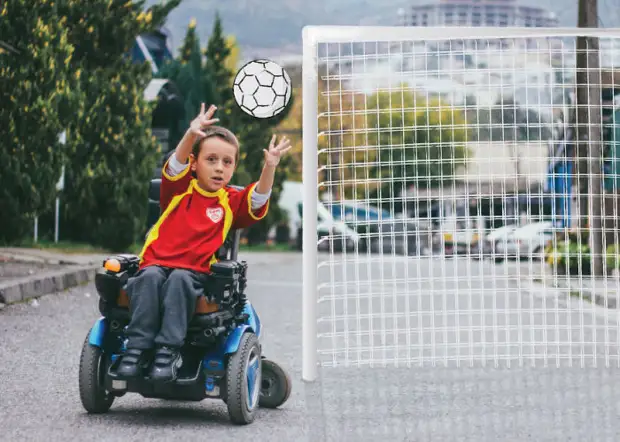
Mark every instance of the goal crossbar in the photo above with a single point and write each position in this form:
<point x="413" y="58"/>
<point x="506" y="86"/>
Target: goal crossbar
<point x="313" y="35"/>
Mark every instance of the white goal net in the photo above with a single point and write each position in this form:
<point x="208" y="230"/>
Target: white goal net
<point x="460" y="200"/>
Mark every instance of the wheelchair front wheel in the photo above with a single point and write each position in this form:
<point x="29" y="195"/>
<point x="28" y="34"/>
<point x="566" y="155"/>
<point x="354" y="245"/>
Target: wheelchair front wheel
<point x="94" y="397"/>
<point x="276" y="385"/>
<point x="243" y="380"/>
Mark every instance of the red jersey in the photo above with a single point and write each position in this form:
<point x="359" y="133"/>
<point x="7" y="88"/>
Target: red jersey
<point x="194" y="223"/>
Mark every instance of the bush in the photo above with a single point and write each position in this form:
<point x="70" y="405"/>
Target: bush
<point x="112" y="153"/>
<point x="37" y="103"/>
<point x="612" y="258"/>
<point x="571" y="257"/>
<point x="111" y="162"/>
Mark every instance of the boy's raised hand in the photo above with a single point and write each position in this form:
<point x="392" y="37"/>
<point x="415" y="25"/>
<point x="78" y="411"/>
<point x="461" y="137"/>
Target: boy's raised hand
<point x="275" y="152"/>
<point x="203" y="120"/>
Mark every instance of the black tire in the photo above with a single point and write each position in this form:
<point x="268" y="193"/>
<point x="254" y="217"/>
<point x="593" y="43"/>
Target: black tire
<point x="238" y="395"/>
<point x="95" y="399"/>
<point x="276" y="385"/>
<point x="538" y="254"/>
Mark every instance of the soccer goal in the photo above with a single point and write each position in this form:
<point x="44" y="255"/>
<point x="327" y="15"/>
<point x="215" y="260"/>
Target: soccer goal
<point x="460" y="200"/>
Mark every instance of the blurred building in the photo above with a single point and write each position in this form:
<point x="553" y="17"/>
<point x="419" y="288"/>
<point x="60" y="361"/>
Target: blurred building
<point x="491" y="13"/>
<point x="154" y="47"/>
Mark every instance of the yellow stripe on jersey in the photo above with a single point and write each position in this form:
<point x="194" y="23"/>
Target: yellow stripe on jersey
<point x="257" y="218"/>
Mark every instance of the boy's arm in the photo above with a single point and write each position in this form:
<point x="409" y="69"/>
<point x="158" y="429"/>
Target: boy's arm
<point x="249" y="206"/>
<point x="175" y="179"/>
<point x="175" y="173"/>
<point x="272" y="159"/>
<point x="253" y="203"/>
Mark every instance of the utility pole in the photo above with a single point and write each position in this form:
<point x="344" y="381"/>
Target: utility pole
<point x="588" y="134"/>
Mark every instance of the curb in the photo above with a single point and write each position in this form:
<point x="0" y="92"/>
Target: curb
<point x="584" y="305"/>
<point x="609" y="301"/>
<point x="18" y="290"/>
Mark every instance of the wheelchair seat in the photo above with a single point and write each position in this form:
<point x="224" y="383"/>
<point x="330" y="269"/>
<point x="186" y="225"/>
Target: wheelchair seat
<point x="203" y="306"/>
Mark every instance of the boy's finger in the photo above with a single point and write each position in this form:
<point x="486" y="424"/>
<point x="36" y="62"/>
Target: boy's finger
<point x="284" y="144"/>
<point x="202" y="108"/>
<point x="201" y="133"/>
<point x="211" y="111"/>
<point x="212" y="121"/>
<point x="273" y="141"/>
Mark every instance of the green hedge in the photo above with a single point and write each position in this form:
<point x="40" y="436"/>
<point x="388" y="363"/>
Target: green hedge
<point x="573" y="256"/>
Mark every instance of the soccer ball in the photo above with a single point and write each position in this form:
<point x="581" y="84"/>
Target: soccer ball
<point x="262" y="88"/>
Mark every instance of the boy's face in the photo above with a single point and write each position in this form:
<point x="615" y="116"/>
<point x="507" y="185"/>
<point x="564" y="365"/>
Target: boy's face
<point x="215" y="164"/>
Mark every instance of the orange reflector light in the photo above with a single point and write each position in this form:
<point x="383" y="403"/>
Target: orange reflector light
<point x="113" y="265"/>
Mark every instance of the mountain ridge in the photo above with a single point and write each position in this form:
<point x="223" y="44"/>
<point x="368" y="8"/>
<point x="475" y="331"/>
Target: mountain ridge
<point x="273" y="28"/>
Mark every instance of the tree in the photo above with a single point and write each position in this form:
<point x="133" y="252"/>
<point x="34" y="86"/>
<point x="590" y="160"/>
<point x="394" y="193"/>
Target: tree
<point x="188" y="72"/>
<point x="291" y="127"/>
<point x="112" y="151"/>
<point x="37" y="104"/>
<point x="348" y="152"/>
<point x="232" y="61"/>
<point x="218" y="74"/>
<point x="418" y="142"/>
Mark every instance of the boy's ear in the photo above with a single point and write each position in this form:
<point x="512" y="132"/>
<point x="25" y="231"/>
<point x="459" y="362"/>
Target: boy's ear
<point x="192" y="162"/>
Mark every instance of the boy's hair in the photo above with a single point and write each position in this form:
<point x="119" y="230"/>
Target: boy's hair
<point x="220" y="132"/>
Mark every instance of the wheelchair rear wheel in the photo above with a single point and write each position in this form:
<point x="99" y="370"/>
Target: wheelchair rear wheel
<point x="276" y="385"/>
<point x="93" y="394"/>
<point x="243" y="380"/>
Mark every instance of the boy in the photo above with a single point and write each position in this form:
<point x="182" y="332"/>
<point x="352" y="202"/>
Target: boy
<point x="197" y="214"/>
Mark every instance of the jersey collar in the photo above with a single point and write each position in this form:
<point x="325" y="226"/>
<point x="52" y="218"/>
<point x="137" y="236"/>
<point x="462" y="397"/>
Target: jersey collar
<point x="219" y="193"/>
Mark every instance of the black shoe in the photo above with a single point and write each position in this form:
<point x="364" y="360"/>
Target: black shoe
<point x="166" y="365"/>
<point x="132" y="363"/>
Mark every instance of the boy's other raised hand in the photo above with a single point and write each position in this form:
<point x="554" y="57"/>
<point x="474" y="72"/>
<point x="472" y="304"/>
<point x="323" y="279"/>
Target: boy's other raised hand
<point x="275" y="152"/>
<point x="203" y="120"/>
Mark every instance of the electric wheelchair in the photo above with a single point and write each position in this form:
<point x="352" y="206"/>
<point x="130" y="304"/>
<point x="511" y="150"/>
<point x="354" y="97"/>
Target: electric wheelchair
<point x="222" y="355"/>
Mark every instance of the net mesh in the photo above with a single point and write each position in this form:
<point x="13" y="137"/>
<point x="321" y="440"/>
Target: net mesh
<point x="468" y="209"/>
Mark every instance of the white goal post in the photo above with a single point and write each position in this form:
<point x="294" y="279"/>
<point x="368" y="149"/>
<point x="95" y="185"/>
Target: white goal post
<point x="357" y="300"/>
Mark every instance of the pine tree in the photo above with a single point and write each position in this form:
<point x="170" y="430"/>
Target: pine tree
<point x="187" y="71"/>
<point x="37" y="104"/>
<point x="113" y="153"/>
<point x="218" y="74"/>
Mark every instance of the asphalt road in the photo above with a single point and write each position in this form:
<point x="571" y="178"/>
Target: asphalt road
<point x="437" y="308"/>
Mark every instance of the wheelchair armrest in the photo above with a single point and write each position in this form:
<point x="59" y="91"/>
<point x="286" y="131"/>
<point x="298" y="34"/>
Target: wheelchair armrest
<point x="226" y="281"/>
<point x="124" y="262"/>
<point x="112" y="276"/>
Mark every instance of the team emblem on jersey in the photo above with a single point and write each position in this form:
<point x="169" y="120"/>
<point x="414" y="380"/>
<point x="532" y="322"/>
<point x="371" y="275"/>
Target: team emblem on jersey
<point x="215" y="214"/>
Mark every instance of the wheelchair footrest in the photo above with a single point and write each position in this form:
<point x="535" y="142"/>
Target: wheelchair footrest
<point x="189" y="385"/>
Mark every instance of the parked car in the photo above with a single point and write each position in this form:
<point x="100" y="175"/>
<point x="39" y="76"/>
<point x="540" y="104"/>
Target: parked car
<point x="458" y="235"/>
<point x="487" y="246"/>
<point x="339" y="235"/>
<point x="397" y="236"/>
<point x="528" y="242"/>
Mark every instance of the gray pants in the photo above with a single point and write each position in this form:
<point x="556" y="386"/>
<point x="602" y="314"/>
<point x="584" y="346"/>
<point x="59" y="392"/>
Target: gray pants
<point x="162" y="302"/>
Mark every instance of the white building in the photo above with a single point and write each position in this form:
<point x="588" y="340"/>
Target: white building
<point x="502" y="13"/>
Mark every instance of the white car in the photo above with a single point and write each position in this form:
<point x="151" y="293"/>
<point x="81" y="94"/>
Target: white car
<point x="528" y="241"/>
<point x="487" y="247"/>
<point x="337" y="234"/>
